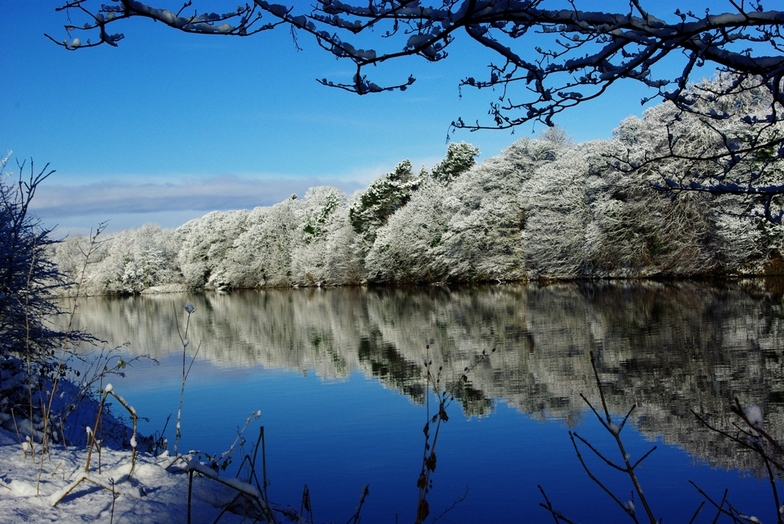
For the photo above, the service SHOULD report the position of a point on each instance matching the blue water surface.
(338, 435)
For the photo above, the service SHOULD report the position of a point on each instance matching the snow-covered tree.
(681, 151)
(261, 254)
(27, 275)
(459, 159)
(316, 210)
(481, 239)
(555, 215)
(462, 228)
(142, 258)
(343, 252)
(737, 153)
(403, 248)
(636, 232)
(126, 262)
(69, 255)
(205, 242)
(316, 218)
(381, 199)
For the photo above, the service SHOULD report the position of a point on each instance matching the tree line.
(546, 208)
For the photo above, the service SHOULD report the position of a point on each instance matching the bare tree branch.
(544, 60)
(588, 51)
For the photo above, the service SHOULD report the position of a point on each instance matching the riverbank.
(33, 490)
(116, 488)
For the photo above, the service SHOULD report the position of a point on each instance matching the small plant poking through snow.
(186, 369)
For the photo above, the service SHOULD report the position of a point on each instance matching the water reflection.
(669, 348)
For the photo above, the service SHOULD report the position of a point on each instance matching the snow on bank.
(153, 493)
(54, 487)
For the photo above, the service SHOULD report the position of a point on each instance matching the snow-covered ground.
(55, 487)
(34, 490)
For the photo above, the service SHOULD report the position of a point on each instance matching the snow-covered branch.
(543, 60)
(724, 144)
(549, 59)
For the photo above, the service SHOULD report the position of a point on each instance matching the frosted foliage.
(694, 233)
(69, 256)
(316, 211)
(316, 220)
(125, 262)
(482, 237)
(544, 208)
(743, 242)
(526, 154)
(150, 258)
(205, 242)
(382, 199)
(403, 249)
(695, 148)
(637, 232)
(261, 255)
(556, 216)
(459, 159)
(344, 263)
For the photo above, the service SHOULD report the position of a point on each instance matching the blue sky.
(168, 126)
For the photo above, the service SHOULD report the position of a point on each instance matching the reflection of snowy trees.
(669, 348)
(545, 208)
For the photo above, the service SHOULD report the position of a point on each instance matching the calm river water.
(338, 377)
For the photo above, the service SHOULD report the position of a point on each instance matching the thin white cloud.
(205, 194)
(61, 204)
(79, 204)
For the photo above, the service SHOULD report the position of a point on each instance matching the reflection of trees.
(384, 361)
(669, 348)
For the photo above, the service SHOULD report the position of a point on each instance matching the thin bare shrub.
(444, 393)
(94, 443)
(748, 433)
(625, 465)
(186, 369)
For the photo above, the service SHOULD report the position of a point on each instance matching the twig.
(355, 517)
(93, 443)
(697, 512)
(445, 398)
(455, 503)
(605, 418)
(557, 516)
(719, 507)
(56, 497)
(189, 308)
(598, 482)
